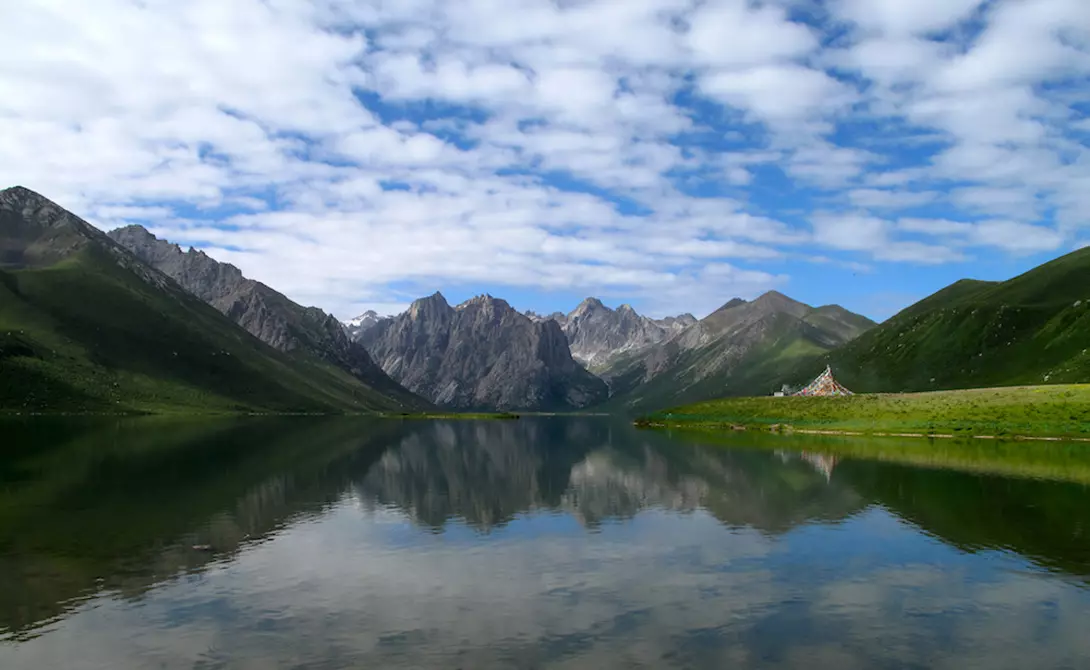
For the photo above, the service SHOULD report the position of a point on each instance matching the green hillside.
(741, 349)
(88, 335)
(1033, 329)
(84, 326)
(784, 344)
(1057, 410)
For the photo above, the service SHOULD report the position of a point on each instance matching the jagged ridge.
(482, 354)
(264, 312)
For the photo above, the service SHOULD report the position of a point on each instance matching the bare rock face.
(481, 354)
(362, 323)
(598, 334)
(265, 313)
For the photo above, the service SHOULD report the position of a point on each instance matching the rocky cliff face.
(481, 354)
(265, 313)
(598, 334)
(362, 323)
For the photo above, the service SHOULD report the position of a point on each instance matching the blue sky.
(671, 154)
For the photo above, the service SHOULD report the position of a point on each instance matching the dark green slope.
(1032, 329)
(743, 349)
(85, 326)
(302, 332)
(782, 344)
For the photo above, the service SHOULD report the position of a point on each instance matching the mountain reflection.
(486, 474)
(119, 507)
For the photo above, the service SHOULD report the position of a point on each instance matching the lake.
(536, 543)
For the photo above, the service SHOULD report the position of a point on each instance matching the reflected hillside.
(483, 473)
(487, 473)
(90, 506)
(1023, 497)
(1045, 522)
(751, 488)
(120, 506)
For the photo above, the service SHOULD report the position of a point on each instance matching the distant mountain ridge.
(742, 348)
(266, 313)
(597, 334)
(482, 354)
(92, 321)
(86, 325)
(354, 327)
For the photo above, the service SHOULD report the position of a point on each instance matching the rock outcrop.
(482, 354)
(597, 334)
(362, 323)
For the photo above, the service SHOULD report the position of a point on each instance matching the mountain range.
(87, 325)
(128, 322)
(598, 334)
(739, 349)
(481, 354)
(648, 363)
(268, 315)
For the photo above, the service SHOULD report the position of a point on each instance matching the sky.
(671, 154)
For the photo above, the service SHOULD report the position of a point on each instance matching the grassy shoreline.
(1022, 412)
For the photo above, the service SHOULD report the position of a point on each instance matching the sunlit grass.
(1030, 411)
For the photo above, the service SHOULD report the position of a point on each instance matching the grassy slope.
(1061, 410)
(1032, 329)
(787, 346)
(88, 335)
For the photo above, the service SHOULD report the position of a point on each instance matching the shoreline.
(1049, 413)
(776, 429)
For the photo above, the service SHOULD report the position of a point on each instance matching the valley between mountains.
(126, 322)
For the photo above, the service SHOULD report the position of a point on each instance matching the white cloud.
(902, 18)
(851, 232)
(734, 35)
(1012, 236)
(778, 93)
(1016, 236)
(548, 145)
(876, 237)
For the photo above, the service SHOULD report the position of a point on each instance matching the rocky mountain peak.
(38, 232)
(597, 333)
(774, 301)
(560, 317)
(677, 322)
(369, 319)
(135, 231)
(487, 302)
(589, 306)
(731, 304)
(369, 315)
(429, 307)
(482, 354)
(21, 195)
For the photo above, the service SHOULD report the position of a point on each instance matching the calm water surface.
(538, 543)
